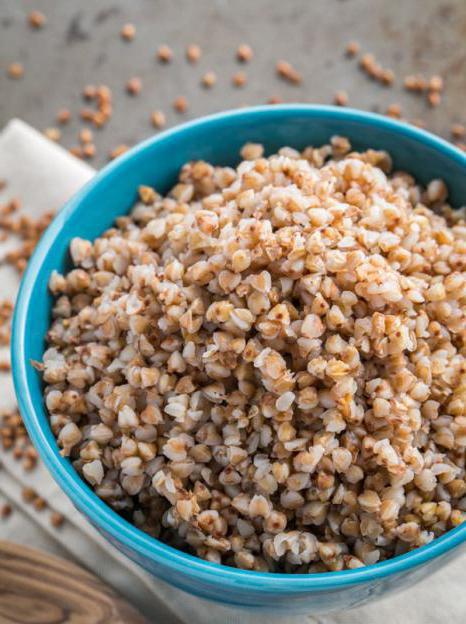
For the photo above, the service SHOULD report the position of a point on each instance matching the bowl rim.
(100, 514)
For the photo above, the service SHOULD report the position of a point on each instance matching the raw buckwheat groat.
(267, 366)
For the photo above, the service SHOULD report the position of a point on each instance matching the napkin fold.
(43, 176)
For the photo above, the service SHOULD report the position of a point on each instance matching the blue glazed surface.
(111, 193)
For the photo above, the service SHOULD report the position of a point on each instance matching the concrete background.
(80, 44)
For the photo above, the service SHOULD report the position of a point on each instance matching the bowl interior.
(156, 162)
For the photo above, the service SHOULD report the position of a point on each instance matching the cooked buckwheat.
(266, 366)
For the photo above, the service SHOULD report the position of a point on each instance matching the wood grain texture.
(37, 588)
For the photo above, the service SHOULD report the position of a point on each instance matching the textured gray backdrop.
(80, 44)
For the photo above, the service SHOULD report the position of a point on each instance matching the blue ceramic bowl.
(111, 193)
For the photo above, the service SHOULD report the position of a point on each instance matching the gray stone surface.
(81, 44)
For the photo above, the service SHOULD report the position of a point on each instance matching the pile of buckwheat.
(267, 366)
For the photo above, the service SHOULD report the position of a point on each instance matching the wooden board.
(38, 588)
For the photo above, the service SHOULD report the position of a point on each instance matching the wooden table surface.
(37, 588)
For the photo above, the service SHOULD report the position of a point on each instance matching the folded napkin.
(43, 176)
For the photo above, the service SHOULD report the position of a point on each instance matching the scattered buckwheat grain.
(88, 150)
(244, 53)
(89, 92)
(394, 110)
(158, 119)
(375, 71)
(193, 53)
(5, 511)
(134, 86)
(180, 104)
(209, 79)
(56, 519)
(15, 70)
(387, 77)
(340, 98)
(63, 116)
(275, 99)
(458, 131)
(416, 83)
(435, 83)
(76, 150)
(286, 71)
(118, 151)
(28, 494)
(352, 49)
(54, 134)
(239, 79)
(102, 97)
(86, 135)
(128, 32)
(39, 503)
(434, 98)
(164, 54)
(36, 19)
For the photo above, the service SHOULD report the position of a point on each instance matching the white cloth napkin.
(44, 176)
